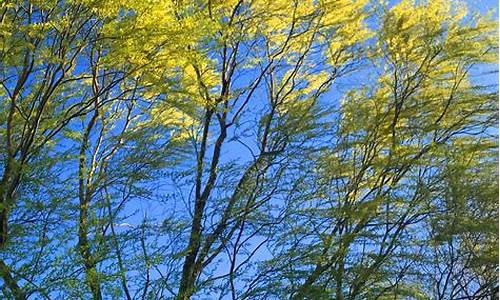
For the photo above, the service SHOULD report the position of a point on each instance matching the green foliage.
(240, 149)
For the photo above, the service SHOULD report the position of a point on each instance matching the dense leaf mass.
(248, 149)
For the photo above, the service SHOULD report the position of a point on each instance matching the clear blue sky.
(483, 5)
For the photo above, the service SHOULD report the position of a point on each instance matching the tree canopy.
(248, 149)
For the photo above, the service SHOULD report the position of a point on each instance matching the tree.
(41, 48)
(241, 149)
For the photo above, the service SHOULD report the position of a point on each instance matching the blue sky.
(483, 5)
